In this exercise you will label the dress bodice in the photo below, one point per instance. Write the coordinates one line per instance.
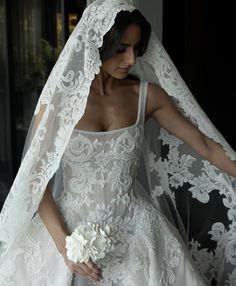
(99, 185)
(99, 168)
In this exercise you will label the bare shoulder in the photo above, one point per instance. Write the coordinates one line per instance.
(157, 98)
(133, 85)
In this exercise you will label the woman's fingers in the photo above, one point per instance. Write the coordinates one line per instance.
(93, 272)
(94, 267)
(89, 270)
(79, 271)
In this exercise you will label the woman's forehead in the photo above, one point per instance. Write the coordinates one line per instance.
(131, 35)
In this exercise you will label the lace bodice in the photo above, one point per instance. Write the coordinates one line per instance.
(99, 170)
(99, 185)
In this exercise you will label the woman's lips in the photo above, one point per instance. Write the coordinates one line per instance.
(124, 70)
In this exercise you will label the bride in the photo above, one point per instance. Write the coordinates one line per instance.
(114, 131)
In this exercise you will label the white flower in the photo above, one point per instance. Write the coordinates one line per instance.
(89, 241)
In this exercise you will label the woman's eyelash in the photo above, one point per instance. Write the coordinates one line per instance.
(122, 50)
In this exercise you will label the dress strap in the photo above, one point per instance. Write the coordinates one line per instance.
(142, 101)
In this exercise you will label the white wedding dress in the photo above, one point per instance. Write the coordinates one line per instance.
(99, 170)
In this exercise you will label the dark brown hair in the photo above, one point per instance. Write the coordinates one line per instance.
(123, 20)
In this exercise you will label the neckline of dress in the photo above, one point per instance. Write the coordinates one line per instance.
(118, 129)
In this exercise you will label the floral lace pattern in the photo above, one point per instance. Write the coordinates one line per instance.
(99, 172)
(177, 172)
(100, 176)
(60, 107)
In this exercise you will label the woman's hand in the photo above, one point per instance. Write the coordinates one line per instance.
(89, 270)
(57, 229)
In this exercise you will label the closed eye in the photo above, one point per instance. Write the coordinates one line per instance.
(121, 50)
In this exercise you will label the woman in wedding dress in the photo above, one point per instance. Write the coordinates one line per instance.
(98, 177)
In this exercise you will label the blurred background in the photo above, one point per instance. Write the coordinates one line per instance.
(197, 34)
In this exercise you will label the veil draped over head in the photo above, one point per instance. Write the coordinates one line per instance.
(197, 197)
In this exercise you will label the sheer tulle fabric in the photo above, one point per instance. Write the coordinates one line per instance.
(176, 180)
(99, 186)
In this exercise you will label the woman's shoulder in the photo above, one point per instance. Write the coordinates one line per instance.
(134, 82)
(156, 98)
(155, 91)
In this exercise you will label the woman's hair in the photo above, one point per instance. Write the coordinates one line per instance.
(123, 20)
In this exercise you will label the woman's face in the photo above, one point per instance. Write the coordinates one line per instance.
(120, 63)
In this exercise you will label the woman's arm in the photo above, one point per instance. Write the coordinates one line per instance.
(161, 108)
(53, 221)
(56, 227)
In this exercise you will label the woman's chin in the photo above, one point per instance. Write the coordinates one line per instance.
(120, 75)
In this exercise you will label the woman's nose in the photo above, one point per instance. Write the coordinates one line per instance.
(130, 56)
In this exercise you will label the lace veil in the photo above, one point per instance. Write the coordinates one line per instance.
(193, 194)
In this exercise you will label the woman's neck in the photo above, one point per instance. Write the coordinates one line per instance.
(104, 83)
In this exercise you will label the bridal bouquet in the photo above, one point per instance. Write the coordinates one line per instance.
(87, 241)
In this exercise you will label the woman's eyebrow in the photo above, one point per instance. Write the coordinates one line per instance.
(128, 45)
(124, 44)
